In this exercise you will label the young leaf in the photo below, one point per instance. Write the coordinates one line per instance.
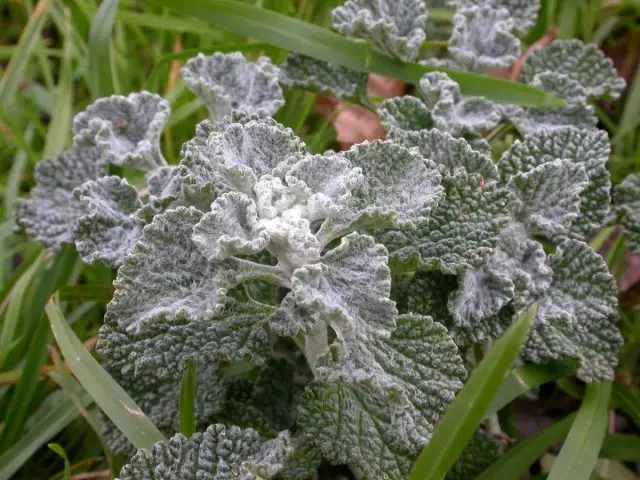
(60, 451)
(467, 411)
(111, 398)
(579, 453)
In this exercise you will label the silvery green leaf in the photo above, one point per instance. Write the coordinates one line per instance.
(589, 148)
(127, 129)
(50, 215)
(448, 152)
(228, 82)
(406, 114)
(489, 297)
(396, 27)
(109, 227)
(481, 451)
(532, 120)
(523, 12)
(165, 183)
(246, 151)
(348, 289)
(399, 184)
(584, 63)
(160, 401)
(481, 39)
(219, 453)
(577, 317)
(561, 85)
(454, 113)
(300, 71)
(329, 178)
(627, 196)
(462, 230)
(374, 405)
(230, 228)
(303, 463)
(546, 199)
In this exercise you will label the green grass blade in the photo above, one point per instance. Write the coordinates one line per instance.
(628, 401)
(101, 75)
(527, 377)
(622, 447)
(467, 411)
(58, 134)
(40, 433)
(13, 75)
(188, 401)
(60, 451)
(631, 113)
(314, 41)
(579, 453)
(517, 460)
(104, 390)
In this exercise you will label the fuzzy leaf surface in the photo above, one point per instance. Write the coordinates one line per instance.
(404, 114)
(584, 63)
(110, 227)
(219, 453)
(228, 82)
(627, 196)
(577, 316)
(300, 71)
(51, 215)
(588, 148)
(481, 39)
(523, 12)
(127, 129)
(461, 232)
(395, 27)
(375, 404)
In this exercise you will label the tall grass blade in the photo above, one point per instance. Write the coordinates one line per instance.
(42, 431)
(104, 390)
(467, 411)
(528, 377)
(60, 451)
(188, 401)
(622, 447)
(101, 72)
(314, 41)
(631, 113)
(60, 124)
(579, 453)
(13, 75)
(517, 460)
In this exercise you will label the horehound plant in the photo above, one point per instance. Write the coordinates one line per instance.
(326, 300)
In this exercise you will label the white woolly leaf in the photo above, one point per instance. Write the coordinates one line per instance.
(546, 199)
(399, 184)
(589, 148)
(396, 27)
(462, 231)
(490, 296)
(51, 215)
(448, 152)
(109, 227)
(165, 183)
(228, 82)
(577, 316)
(300, 71)
(454, 113)
(584, 63)
(481, 39)
(230, 228)
(405, 114)
(219, 453)
(374, 405)
(561, 85)
(127, 129)
(348, 289)
(523, 12)
(627, 196)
